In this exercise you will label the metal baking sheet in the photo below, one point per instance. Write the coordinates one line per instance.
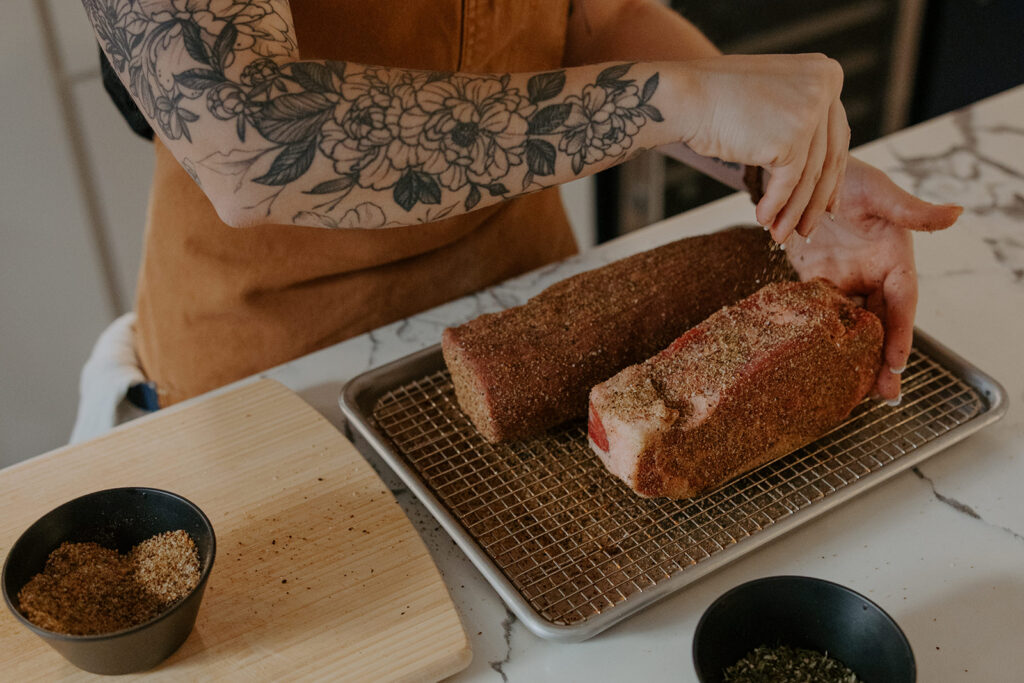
(571, 550)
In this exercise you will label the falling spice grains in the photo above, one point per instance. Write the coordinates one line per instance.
(86, 589)
(784, 664)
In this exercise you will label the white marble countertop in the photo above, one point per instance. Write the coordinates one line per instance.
(941, 548)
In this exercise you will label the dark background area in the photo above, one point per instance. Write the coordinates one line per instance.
(904, 61)
(970, 49)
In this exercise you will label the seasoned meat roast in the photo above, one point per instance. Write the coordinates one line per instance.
(529, 368)
(753, 382)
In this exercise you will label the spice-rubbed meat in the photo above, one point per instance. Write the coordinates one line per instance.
(525, 369)
(753, 382)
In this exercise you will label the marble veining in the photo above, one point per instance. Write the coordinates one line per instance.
(950, 273)
(970, 172)
(961, 507)
(980, 165)
(1009, 252)
(506, 626)
(376, 338)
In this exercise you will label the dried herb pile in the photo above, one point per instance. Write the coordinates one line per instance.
(784, 664)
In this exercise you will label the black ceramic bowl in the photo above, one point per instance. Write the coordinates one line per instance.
(115, 518)
(800, 611)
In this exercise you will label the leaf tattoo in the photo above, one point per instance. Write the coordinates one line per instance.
(545, 86)
(419, 139)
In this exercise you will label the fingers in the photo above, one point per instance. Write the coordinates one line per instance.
(838, 142)
(839, 133)
(887, 384)
(899, 294)
(833, 203)
(875, 303)
(926, 217)
(900, 306)
(803, 183)
(796, 207)
(904, 209)
(781, 183)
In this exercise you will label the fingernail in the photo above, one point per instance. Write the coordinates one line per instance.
(895, 401)
(898, 371)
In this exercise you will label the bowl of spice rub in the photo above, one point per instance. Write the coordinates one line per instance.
(112, 580)
(797, 628)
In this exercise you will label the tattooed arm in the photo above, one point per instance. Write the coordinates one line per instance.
(274, 139)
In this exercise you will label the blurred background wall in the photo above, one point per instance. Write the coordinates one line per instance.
(904, 61)
(73, 186)
(74, 179)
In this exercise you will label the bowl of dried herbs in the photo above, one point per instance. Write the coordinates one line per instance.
(112, 580)
(800, 629)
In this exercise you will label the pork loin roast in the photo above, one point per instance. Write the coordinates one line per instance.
(753, 382)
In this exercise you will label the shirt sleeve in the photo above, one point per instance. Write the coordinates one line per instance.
(124, 102)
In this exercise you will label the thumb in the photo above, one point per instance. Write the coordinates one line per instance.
(912, 213)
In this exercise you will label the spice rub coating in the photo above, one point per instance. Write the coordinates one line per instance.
(527, 369)
(88, 589)
(753, 382)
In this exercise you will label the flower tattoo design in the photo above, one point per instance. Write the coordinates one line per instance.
(420, 138)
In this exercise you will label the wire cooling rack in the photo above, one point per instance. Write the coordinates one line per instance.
(572, 550)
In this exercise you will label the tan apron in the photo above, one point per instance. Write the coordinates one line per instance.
(216, 303)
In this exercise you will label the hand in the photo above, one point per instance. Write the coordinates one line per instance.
(780, 112)
(868, 251)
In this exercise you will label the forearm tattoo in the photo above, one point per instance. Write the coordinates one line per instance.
(413, 138)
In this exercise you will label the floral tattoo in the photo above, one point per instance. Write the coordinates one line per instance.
(420, 138)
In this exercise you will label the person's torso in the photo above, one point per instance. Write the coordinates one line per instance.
(216, 303)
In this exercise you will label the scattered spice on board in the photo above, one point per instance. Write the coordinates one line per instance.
(86, 589)
(784, 664)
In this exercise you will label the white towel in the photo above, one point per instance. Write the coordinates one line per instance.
(106, 377)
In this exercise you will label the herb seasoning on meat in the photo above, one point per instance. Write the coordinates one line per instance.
(786, 664)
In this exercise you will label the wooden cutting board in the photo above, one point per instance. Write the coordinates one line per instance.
(318, 573)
